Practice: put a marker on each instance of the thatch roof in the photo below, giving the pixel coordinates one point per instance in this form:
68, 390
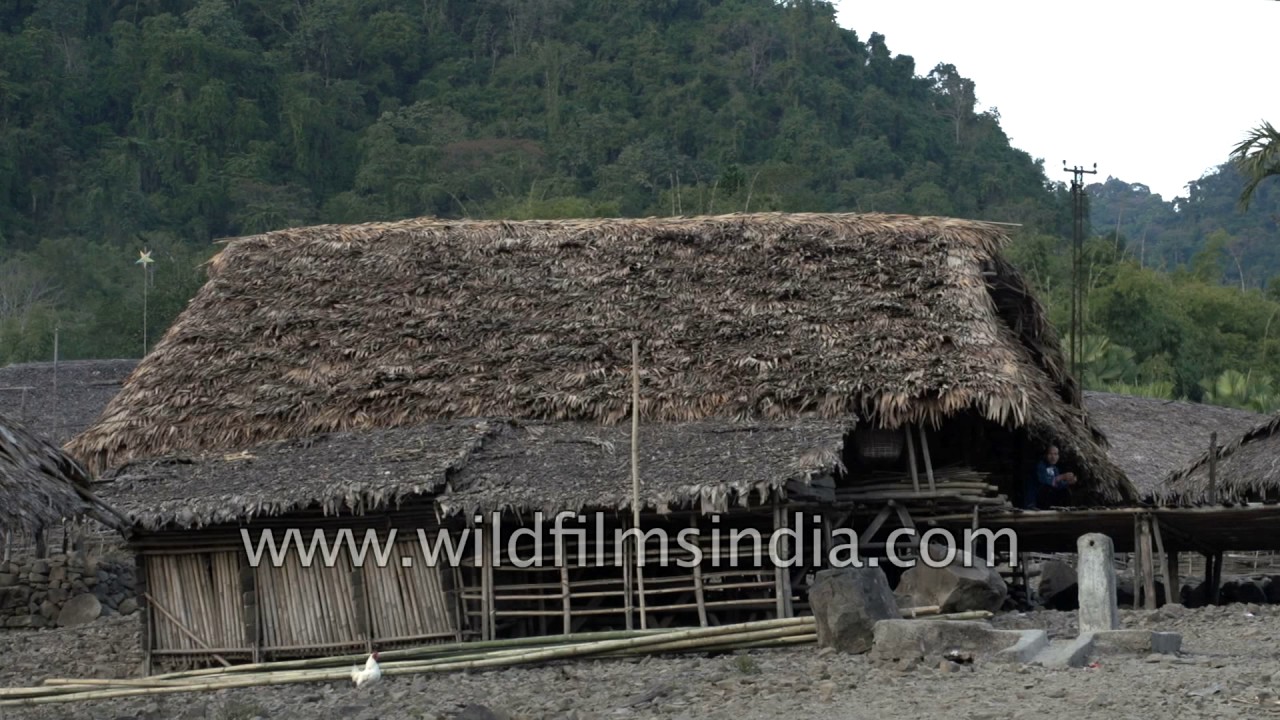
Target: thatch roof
753, 317
37, 481
58, 405
707, 465
1247, 469
352, 472
476, 466
1150, 439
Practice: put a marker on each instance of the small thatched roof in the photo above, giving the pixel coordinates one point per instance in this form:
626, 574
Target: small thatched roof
63, 402
766, 317
354, 472
37, 481
1150, 439
1247, 469
707, 465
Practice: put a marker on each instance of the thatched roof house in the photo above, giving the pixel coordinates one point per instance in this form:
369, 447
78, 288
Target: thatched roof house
39, 485
1150, 439
58, 402
751, 317
1246, 469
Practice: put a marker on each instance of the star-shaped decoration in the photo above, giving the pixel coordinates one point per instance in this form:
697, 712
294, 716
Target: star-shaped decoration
144, 258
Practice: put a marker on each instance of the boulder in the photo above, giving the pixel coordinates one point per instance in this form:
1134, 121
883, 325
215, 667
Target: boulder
1058, 588
80, 610
846, 605
1272, 589
928, 640
128, 606
957, 587
1249, 590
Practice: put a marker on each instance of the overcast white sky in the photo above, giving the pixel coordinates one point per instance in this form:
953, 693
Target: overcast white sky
1164, 89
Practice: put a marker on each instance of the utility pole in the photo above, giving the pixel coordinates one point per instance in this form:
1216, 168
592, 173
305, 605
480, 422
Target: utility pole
1077, 265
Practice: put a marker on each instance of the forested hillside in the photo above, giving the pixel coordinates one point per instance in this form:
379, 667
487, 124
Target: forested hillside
1166, 234
164, 125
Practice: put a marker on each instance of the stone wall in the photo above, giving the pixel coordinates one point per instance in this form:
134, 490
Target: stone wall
64, 590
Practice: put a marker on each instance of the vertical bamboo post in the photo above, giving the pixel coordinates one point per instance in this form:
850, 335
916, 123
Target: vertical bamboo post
1148, 563
928, 463
635, 474
911, 459
1135, 562
1171, 577
627, 598
1213, 468
144, 610
1171, 590
778, 571
564, 598
699, 592
486, 590
1215, 588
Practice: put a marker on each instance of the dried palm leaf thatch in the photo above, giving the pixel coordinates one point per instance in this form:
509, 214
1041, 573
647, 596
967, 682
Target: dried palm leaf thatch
1150, 439
749, 317
1247, 469
708, 465
38, 483
352, 472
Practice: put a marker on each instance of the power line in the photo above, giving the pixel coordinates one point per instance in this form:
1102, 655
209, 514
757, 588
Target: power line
1077, 266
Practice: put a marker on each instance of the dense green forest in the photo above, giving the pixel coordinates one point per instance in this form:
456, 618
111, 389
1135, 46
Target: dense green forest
1167, 234
167, 124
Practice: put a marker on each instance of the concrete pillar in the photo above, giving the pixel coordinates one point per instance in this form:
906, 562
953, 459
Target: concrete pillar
1097, 583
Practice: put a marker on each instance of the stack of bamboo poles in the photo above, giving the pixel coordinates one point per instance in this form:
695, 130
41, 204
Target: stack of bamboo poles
447, 658
958, 485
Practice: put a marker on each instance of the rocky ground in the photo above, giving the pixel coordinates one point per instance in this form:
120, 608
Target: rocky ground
1230, 668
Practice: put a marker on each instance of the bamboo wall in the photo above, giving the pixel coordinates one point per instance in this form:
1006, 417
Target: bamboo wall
206, 605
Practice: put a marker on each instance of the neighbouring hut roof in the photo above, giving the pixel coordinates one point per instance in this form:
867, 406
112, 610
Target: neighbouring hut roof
749, 317
352, 472
58, 405
37, 481
1247, 469
708, 465
1149, 439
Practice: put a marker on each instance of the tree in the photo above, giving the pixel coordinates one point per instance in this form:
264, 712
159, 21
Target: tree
1258, 157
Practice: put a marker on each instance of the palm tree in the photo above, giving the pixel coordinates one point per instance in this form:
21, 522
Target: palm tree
1258, 157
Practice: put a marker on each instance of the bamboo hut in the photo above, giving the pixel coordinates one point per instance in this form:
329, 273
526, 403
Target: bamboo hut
1152, 439
871, 364
1244, 469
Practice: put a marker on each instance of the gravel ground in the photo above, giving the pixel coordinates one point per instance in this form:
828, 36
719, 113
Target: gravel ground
1229, 656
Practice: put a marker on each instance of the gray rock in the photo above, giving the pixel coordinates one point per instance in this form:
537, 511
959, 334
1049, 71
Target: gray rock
934, 639
1057, 587
127, 606
80, 610
958, 587
847, 603
8, 579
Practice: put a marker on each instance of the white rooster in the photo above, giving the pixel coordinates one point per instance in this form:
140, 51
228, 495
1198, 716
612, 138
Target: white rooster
372, 671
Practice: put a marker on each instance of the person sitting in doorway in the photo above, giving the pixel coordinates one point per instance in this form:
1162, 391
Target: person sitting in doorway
1047, 478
